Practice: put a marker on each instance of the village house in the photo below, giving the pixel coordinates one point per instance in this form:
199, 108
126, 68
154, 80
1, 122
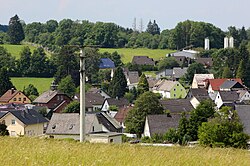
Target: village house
200, 80
169, 89
121, 115
184, 53
160, 124
206, 62
132, 78
24, 123
214, 84
106, 63
14, 96
231, 85
143, 60
173, 74
54, 100
67, 125
226, 97
119, 103
244, 115
177, 106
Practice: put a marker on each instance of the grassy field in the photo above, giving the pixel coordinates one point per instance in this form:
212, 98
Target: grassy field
31, 151
151, 73
15, 50
42, 84
128, 53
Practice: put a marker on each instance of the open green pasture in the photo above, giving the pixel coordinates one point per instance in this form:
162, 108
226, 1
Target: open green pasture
15, 50
34, 151
128, 53
42, 84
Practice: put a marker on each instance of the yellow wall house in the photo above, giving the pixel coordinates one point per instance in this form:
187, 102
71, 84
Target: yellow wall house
14, 96
24, 123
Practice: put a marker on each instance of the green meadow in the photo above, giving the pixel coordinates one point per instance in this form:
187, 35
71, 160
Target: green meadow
34, 151
42, 84
128, 53
15, 50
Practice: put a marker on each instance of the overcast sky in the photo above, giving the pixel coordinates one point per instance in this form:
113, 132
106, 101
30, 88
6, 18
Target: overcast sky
167, 13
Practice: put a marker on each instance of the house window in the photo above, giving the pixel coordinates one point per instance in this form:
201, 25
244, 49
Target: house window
13, 121
24, 99
174, 89
111, 140
58, 97
13, 133
93, 128
174, 95
181, 89
3, 122
19, 99
14, 99
177, 84
61, 97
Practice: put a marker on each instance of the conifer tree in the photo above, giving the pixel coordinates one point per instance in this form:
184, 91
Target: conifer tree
15, 31
118, 85
143, 84
5, 83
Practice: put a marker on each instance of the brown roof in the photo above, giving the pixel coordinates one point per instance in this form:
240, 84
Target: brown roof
118, 102
7, 96
205, 61
143, 60
122, 113
46, 96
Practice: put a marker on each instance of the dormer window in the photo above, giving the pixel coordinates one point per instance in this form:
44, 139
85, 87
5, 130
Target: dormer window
54, 126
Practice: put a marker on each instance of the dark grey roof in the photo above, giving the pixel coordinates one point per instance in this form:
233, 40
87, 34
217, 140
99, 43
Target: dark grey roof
143, 60
198, 92
228, 84
178, 72
93, 99
69, 123
2, 113
159, 124
133, 77
177, 105
201, 98
28, 117
118, 102
244, 114
229, 96
108, 122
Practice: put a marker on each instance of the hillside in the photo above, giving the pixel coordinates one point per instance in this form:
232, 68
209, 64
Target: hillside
42, 84
32, 151
15, 50
128, 53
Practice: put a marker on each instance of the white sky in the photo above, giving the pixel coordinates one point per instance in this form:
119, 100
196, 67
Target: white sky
167, 13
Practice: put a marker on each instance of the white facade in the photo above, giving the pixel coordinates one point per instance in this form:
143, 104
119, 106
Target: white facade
146, 132
194, 102
105, 106
245, 96
218, 101
164, 94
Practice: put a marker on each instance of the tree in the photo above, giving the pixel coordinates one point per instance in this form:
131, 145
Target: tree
227, 73
199, 115
6, 60
24, 61
146, 104
153, 28
5, 83
240, 70
73, 107
167, 63
183, 128
142, 85
15, 30
67, 86
193, 69
30, 90
3, 130
118, 85
224, 130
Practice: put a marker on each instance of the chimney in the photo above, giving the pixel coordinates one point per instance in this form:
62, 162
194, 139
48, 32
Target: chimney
12, 90
53, 86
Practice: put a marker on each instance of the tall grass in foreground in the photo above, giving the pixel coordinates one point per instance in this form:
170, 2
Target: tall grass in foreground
31, 151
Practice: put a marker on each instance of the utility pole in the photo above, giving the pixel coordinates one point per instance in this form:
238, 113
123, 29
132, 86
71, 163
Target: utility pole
82, 95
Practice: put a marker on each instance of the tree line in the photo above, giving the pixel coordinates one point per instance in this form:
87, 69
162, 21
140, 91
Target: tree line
54, 34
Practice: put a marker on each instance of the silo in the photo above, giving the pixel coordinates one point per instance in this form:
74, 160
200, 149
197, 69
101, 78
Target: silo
231, 42
207, 47
225, 42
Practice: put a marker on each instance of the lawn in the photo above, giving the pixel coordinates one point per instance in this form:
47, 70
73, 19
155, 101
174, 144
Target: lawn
128, 53
32, 151
42, 84
15, 50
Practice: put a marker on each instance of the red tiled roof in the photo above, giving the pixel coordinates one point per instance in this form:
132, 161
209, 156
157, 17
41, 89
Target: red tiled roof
122, 113
216, 83
7, 96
